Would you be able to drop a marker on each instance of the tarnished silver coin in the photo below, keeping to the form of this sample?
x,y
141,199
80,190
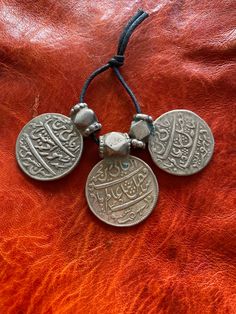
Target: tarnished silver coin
x,y
49,147
122,191
182,143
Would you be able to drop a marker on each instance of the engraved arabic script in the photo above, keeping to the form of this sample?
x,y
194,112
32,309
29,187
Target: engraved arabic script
x,y
122,192
182,143
48,147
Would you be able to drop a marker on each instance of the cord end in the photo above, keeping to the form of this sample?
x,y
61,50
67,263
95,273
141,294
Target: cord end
x,y
142,12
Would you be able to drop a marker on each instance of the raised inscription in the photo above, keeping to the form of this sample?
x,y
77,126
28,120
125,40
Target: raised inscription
x,y
49,147
182,143
122,192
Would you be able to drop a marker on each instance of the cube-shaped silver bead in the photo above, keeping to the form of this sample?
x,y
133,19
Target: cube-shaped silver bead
x,y
141,127
114,144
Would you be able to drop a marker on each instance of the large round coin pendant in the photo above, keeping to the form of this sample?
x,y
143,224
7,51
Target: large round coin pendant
x,y
122,191
49,147
182,143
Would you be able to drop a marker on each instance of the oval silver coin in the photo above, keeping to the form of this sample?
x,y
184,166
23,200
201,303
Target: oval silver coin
x,y
182,143
122,192
49,147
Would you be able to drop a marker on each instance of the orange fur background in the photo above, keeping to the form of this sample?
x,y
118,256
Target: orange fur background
x,y
55,256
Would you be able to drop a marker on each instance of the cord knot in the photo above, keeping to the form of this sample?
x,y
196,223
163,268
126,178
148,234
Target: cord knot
x,y
116,61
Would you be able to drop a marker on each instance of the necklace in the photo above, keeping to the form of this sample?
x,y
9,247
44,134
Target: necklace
x,y
121,190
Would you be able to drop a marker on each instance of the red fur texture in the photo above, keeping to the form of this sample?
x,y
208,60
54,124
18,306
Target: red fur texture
x,y
55,256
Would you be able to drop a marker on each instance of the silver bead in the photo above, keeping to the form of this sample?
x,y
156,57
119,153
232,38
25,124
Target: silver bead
x,y
84,119
77,108
141,127
142,116
138,144
114,144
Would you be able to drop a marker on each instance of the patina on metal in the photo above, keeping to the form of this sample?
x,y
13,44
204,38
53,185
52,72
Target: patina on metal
x,y
182,143
121,190
49,147
85,119
114,144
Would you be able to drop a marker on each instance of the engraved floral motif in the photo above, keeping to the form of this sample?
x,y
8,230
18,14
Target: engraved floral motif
x,y
48,147
182,143
122,192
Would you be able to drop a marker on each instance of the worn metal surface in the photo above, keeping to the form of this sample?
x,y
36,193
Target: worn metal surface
x,y
49,147
182,142
122,191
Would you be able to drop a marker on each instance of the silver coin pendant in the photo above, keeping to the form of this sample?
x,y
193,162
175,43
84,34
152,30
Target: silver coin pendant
x,y
49,147
122,191
182,143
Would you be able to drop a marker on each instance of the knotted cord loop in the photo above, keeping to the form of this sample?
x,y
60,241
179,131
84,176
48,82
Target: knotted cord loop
x,y
118,60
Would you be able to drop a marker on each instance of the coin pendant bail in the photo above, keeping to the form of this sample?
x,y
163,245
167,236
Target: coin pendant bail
x,y
49,147
182,143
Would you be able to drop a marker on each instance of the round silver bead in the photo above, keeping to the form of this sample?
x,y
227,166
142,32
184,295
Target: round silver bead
x,y
86,132
142,116
85,119
138,144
